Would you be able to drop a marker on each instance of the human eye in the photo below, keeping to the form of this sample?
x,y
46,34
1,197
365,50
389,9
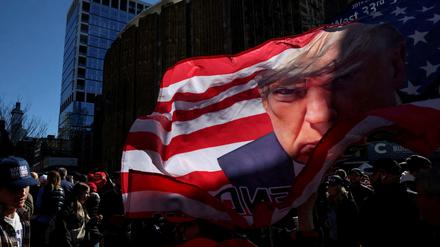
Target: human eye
x,y
286,94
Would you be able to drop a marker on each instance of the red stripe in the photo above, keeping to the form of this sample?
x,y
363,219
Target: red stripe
x,y
186,115
142,181
217,65
208,181
165,106
222,134
418,127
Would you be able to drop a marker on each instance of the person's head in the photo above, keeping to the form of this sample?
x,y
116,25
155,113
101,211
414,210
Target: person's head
x,y
416,163
43,180
98,178
336,187
34,175
341,173
355,176
386,172
342,72
15,179
63,172
53,179
80,192
70,178
93,187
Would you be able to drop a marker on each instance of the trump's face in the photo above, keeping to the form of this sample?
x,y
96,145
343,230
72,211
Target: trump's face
x,y
302,111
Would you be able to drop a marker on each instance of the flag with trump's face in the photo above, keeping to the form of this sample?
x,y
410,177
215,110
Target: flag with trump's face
x,y
241,140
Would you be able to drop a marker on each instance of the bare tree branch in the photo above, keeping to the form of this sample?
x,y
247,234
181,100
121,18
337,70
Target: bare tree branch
x,y
34,126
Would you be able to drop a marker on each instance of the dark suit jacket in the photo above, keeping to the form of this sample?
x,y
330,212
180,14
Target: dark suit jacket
x,y
262,163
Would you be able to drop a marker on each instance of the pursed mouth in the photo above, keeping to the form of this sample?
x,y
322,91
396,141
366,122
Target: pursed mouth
x,y
306,151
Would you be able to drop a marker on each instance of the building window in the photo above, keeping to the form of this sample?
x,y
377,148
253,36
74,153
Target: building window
x,y
79,96
81,72
84,28
82,61
115,4
85,18
83,50
131,7
123,5
86,6
80,84
105,2
83,39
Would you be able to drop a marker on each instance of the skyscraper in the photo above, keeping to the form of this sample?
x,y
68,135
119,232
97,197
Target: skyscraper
x,y
91,27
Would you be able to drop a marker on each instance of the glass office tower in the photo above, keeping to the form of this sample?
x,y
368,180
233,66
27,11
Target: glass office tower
x,y
91,27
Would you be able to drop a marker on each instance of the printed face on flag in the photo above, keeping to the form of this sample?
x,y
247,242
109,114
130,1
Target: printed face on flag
x,y
334,85
231,134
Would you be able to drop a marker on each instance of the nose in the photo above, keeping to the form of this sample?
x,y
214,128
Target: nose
x,y
20,192
320,113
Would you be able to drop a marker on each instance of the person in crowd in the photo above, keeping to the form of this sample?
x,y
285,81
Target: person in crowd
x,y
427,186
33,190
70,179
338,214
67,186
115,227
359,191
50,200
390,216
92,206
70,229
43,180
414,164
15,180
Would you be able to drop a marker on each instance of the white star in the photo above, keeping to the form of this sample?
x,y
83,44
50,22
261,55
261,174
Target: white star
x,y
424,9
418,37
435,18
399,11
410,89
429,68
406,18
376,14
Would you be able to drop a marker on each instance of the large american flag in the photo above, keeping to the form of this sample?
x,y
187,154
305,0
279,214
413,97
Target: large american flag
x,y
208,107
419,22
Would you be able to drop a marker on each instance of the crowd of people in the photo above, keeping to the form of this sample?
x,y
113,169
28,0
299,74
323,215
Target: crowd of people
x,y
55,209
389,204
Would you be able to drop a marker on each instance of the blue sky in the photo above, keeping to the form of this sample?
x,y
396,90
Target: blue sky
x,y
31,55
31,48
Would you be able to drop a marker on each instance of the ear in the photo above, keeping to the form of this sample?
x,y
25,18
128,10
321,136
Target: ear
x,y
398,64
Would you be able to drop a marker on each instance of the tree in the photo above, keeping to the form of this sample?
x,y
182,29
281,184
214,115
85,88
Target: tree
x,y
29,126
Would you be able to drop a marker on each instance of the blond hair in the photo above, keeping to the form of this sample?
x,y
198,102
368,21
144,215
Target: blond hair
x,y
351,43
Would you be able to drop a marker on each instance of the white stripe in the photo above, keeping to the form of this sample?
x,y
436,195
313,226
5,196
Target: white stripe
x,y
156,201
432,103
187,105
199,84
239,110
204,160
